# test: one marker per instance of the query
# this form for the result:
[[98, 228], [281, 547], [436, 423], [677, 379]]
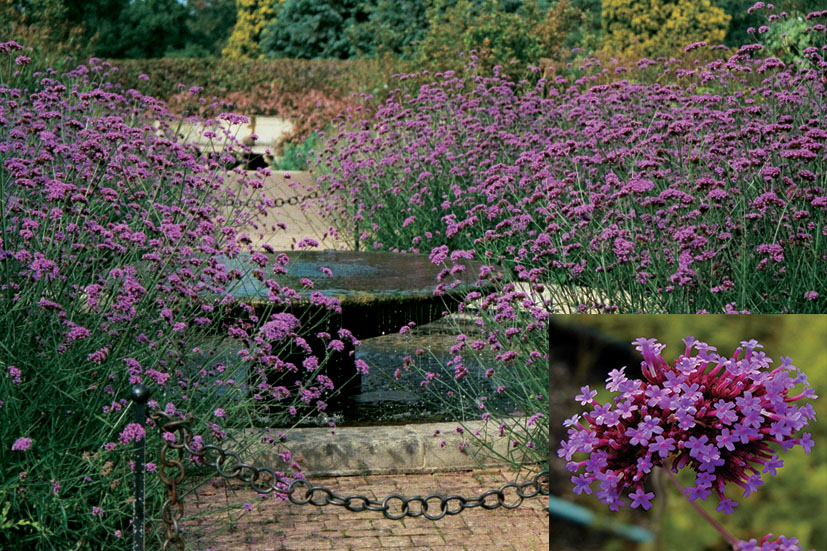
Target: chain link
[[294, 199], [264, 480]]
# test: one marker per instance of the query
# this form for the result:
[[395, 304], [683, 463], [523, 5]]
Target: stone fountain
[[379, 293]]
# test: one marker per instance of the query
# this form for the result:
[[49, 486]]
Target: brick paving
[[275, 525]]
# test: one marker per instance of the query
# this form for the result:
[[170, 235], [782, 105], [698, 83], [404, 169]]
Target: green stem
[[660, 508], [715, 524]]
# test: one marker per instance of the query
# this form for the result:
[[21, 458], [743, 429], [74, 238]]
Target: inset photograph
[[690, 433]]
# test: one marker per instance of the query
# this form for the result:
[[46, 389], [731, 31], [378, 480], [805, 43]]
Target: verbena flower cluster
[[767, 543], [674, 185], [725, 418]]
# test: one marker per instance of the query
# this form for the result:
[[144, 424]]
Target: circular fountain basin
[[379, 293]]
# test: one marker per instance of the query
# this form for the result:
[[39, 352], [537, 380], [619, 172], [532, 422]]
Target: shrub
[[590, 32], [144, 29], [297, 154], [220, 77], [41, 25], [311, 93], [217, 77], [559, 29], [391, 28], [209, 26], [309, 111], [497, 37], [639, 28]]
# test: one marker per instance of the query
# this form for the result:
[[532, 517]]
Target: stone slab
[[350, 451], [269, 132]]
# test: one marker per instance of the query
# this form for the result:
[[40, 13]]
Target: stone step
[[269, 132], [350, 451]]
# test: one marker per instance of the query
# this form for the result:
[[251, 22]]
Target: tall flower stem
[[733, 541], [660, 507]]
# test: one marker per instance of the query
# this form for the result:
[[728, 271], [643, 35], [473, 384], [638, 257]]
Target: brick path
[[275, 525], [301, 220]]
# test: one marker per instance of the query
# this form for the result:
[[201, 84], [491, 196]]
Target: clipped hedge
[[309, 92], [220, 77]]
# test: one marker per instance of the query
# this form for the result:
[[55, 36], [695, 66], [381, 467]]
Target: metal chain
[[264, 480], [172, 472], [295, 199]]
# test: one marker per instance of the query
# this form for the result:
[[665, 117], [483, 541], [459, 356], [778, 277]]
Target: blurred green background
[[793, 503]]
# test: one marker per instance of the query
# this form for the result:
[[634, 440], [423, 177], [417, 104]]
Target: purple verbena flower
[[21, 444], [132, 433], [718, 416], [641, 499], [768, 544]]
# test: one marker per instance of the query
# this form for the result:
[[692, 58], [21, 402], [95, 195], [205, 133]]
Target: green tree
[[144, 29], [392, 26], [558, 28], [588, 35], [41, 24], [252, 16], [313, 29], [651, 27], [98, 19], [209, 24]]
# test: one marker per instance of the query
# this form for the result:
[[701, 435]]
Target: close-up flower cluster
[[728, 419]]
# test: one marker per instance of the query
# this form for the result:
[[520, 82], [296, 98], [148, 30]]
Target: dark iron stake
[[140, 396]]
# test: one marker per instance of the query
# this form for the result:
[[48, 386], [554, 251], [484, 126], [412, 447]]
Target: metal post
[[140, 396]]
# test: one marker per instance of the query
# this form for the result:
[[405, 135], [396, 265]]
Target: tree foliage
[[651, 27], [588, 34], [312, 29], [392, 27], [460, 26], [252, 16], [435, 32], [209, 24], [39, 23], [118, 29], [510, 34], [560, 28], [144, 29]]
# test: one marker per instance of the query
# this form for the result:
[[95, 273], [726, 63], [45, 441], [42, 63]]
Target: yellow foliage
[[554, 27], [652, 27], [252, 16]]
